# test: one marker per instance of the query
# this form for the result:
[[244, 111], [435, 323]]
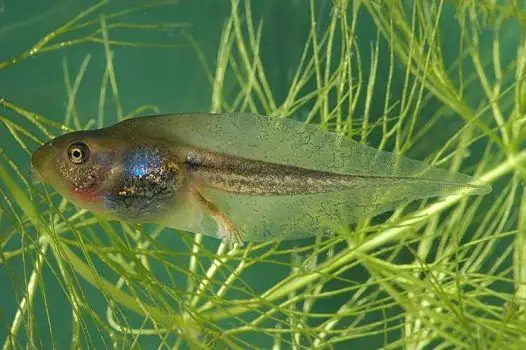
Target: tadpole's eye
[[78, 152]]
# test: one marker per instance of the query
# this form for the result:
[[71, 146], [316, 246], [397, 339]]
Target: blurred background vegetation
[[441, 81]]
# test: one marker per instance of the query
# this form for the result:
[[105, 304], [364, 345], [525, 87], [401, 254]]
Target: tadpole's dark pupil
[[78, 152]]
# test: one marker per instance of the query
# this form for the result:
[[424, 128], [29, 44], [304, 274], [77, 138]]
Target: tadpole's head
[[80, 165]]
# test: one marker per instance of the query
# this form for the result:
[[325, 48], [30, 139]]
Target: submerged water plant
[[432, 80]]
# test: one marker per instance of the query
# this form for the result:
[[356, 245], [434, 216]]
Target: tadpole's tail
[[253, 177]]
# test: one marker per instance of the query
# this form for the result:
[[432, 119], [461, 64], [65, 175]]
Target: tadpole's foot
[[227, 230], [229, 233]]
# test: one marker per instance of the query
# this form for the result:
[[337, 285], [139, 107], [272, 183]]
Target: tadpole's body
[[235, 176]]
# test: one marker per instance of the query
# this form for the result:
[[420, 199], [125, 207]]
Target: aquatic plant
[[435, 80]]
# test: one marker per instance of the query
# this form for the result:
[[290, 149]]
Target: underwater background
[[441, 81]]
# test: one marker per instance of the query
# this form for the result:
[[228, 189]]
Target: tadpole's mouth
[[36, 178], [40, 161]]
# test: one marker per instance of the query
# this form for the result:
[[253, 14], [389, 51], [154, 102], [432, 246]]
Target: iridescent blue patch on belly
[[141, 162], [147, 186], [139, 170]]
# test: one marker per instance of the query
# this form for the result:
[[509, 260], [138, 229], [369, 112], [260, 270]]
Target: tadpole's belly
[[146, 186]]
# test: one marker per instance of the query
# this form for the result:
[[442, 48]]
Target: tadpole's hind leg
[[228, 231]]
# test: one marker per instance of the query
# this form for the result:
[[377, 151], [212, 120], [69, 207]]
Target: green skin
[[235, 176]]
